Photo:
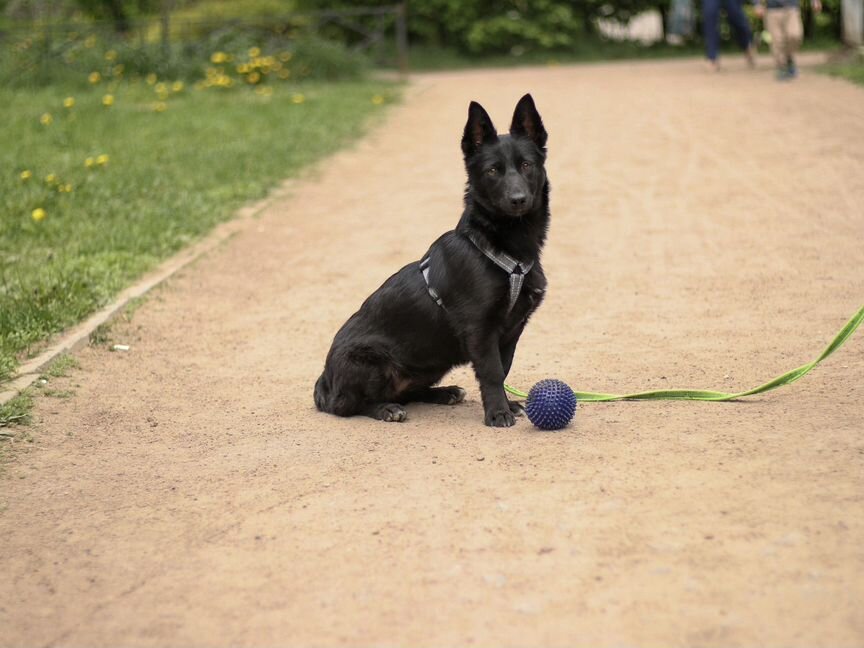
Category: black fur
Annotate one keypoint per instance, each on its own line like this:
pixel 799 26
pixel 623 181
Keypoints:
pixel 401 343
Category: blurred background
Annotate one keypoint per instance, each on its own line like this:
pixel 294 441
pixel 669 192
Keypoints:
pixel 44 39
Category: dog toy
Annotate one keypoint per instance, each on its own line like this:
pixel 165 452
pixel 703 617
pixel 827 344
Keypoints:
pixel 550 400
pixel 551 404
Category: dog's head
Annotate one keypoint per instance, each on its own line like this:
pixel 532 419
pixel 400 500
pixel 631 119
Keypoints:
pixel 506 173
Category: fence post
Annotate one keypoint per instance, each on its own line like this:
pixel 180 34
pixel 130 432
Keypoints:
pixel 402 38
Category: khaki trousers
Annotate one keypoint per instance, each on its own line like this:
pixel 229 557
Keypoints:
pixel 786 31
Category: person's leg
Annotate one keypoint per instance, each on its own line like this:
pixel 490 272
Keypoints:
pixel 794 36
pixel 711 28
pixel 738 22
pixel 775 20
pixel 774 24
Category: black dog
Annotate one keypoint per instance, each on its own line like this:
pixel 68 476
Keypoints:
pixel 467 300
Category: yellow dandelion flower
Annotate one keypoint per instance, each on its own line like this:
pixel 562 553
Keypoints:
pixel 285 56
pixel 67 187
pixel 254 52
pixel 90 41
pixel 218 57
pixel 102 160
pixel 69 102
pixel 111 55
pixel 160 106
pixel 161 87
pixel 89 163
pixel 51 179
pixel 253 77
pixel 38 214
pixel 151 78
pixel 377 99
pixel 108 100
pixel 46 119
pixel 297 98
pixel 26 175
pixel 94 77
pixel 177 86
pixel 284 74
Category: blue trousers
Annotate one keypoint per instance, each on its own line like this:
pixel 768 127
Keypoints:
pixel 711 25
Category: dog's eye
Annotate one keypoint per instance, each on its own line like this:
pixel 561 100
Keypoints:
pixel 526 165
pixel 492 171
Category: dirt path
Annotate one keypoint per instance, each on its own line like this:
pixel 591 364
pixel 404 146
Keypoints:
pixel 707 232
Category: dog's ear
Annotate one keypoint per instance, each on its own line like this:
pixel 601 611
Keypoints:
pixel 527 122
pixel 479 129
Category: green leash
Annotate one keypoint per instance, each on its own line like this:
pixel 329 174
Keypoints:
pixel 704 395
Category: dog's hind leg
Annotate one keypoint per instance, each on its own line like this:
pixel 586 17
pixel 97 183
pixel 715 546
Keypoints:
pixel 350 404
pixel 358 383
pixel 387 412
pixel 435 395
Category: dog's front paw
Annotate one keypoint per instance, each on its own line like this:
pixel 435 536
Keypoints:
pixel 500 418
pixel 518 409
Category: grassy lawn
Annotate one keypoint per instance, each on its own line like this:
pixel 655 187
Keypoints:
pixel 850 67
pixel 590 49
pixel 92 196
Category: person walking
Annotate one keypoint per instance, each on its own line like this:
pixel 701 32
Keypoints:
pixel 783 22
pixel 739 24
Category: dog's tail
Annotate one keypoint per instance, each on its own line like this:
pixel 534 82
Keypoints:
pixel 322 393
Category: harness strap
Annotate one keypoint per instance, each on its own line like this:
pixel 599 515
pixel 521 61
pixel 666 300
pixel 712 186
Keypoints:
pixel 515 269
pixel 424 268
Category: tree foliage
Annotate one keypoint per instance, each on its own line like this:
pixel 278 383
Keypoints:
pixel 493 26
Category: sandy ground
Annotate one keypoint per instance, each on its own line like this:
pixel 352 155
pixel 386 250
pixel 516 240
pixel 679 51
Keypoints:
pixel 707 233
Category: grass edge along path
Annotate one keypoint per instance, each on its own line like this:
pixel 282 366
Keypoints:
pixel 74 232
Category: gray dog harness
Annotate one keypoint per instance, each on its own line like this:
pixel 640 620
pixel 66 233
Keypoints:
pixel 515 269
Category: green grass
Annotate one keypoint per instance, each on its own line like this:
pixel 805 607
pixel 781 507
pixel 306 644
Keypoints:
pixel 849 66
pixel 61 367
pixel 590 49
pixel 15 412
pixel 14 415
pixel 170 177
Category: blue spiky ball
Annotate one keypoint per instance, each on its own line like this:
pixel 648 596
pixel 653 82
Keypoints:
pixel 551 404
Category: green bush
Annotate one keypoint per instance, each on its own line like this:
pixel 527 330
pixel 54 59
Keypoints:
pixel 553 27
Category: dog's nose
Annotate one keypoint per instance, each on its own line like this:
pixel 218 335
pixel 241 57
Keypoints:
pixel 518 200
